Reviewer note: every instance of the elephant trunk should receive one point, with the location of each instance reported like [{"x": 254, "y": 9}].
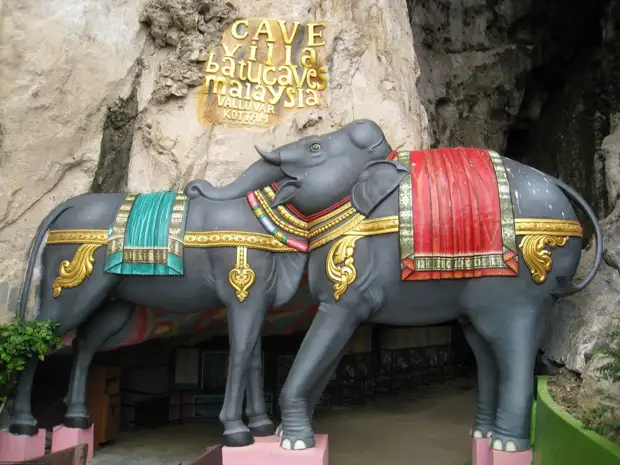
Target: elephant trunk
[{"x": 259, "y": 174}]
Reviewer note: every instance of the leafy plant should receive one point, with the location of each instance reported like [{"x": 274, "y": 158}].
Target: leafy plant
[
  {"x": 19, "y": 342},
  {"x": 611, "y": 370},
  {"x": 605, "y": 419}
]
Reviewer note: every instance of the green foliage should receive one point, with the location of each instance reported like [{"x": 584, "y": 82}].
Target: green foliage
[
  {"x": 604, "y": 419},
  {"x": 19, "y": 342},
  {"x": 611, "y": 370}
]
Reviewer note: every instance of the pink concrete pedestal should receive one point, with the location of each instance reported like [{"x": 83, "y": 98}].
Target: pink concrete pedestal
[
  {"x": 499, "y": 457},
  {"x": 267, "y": 451},
  {"x": 481, "y": 451},
  {"x": 21, "y": 448},
  {"x": 65, "y": 438}
]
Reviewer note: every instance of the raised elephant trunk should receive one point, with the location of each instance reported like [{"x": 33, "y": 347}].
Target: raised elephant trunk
[{"x": 259, "y": 174}]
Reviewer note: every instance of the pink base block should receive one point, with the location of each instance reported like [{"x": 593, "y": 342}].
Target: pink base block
[
  {"x": 480, "y": 451},
  {"x": 21, "y": 448},
  {"x": 64, "y": 437},
  {"x": 512, "y": 458},
  {"x": 267, "y": 451}
]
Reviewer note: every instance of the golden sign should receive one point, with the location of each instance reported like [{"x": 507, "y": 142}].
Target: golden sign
[{"x": 261, "y": 69}]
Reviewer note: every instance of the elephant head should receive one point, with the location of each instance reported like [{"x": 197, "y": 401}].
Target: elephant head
[
  {"x": 322, "y": 169},
  {"x": 315, "y": 172}
]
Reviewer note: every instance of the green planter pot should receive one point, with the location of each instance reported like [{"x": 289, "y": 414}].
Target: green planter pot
[{"x": 561, "y": 439}]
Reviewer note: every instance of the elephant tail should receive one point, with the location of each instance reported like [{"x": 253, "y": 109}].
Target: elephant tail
[
  {"x": 34, "y": 252},
  {"x": 564, "y": 286}
]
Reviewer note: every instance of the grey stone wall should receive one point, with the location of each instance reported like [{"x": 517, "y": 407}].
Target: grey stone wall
[{"x": 8, "y": 300}]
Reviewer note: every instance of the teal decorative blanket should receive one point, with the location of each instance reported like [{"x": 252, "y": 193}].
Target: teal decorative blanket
[{"x": 147, "y": 235}]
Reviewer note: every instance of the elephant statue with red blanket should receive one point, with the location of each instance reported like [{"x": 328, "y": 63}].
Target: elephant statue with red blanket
[{"x": 418, "y": 238}]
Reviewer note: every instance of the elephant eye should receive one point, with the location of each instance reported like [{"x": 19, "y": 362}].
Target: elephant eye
[{"x": 315, "y": 147}]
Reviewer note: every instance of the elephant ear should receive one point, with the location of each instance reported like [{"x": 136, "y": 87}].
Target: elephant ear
[{"x": 377, "y": 181}]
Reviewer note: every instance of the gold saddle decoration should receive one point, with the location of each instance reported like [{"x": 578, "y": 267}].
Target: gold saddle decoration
[
  {"x": 241, "y": 277},
  {"x": 537, "y": 234},
  {"x": 339, "y": 264},
  {"x": 340, "y": 267},
  {"x": 72, "y": 273}
]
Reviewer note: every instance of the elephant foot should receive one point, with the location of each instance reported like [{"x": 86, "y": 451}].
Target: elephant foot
[
  {"x": 240, "y": 439},
  {"x": 297, "y": 441},
  {"x": 23, "y": 428},
  {"x": 77, "y": 416},
  {"x": 79, "y": 422},
  {"x": 481, "y": 431},
  {"x": 509, "y": 444},
  {"x": 263, "y": 430}
]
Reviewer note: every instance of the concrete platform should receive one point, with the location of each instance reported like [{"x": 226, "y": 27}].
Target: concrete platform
[{"x": 428, "y": 426}]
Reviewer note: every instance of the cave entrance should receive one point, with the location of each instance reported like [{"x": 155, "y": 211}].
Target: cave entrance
[{"x": 534, "y": 80}]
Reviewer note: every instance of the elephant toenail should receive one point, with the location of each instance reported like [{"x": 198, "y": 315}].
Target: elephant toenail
[
  {"x": 286, "y": 444},
  {"x": 511, "y": 446},
  {"x": 478, "y": 434},
  {"x": 497, "y": 445},
  {"x": 299, "y": 445}
]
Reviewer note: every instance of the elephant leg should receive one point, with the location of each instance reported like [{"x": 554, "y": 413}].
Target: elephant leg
[
  {"x": 71, "y": 309},
  {"x": 244, "y": 329},
  {"x": 488, "y": 378},
  {"x": 326, "y": 338},
  {"x": 90, "y": 337},
  {"x": 514, "y": 349},
  {"x": 318, "y": 389},
  {"x": 258, "y": 421},
  {"x": 23, "y": 422}
]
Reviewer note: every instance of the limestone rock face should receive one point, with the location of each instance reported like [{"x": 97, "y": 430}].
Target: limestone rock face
[
  {"x": 372, "y": 74},
  {"x": 473, "y": 68},
  {"x": 62, "y": 63},
  {"x": 580, "y": 323},
  {"x": 103, "y": 97}
]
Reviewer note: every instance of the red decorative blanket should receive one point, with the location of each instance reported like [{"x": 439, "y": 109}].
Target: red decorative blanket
[{"x": 456, "y": 218}]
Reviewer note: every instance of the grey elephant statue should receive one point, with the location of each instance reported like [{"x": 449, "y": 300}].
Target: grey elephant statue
[
  {"x": 418, "y": 238},
  {"x": 105, "y": 254}
]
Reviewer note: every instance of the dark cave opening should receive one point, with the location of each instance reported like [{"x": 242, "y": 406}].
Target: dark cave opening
[
  {"x": 538, "y": 81},
  {"x": 561, "y": 121}
]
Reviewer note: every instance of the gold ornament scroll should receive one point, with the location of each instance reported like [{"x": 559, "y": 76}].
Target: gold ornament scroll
[
  {"x": 72, "y": 273},
  {"x": 340, "y": 261},
  {"x": 539, "y": 233}
]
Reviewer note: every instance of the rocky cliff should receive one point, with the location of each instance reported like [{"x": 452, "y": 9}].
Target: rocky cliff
[{"x": 105, "y": 97}]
